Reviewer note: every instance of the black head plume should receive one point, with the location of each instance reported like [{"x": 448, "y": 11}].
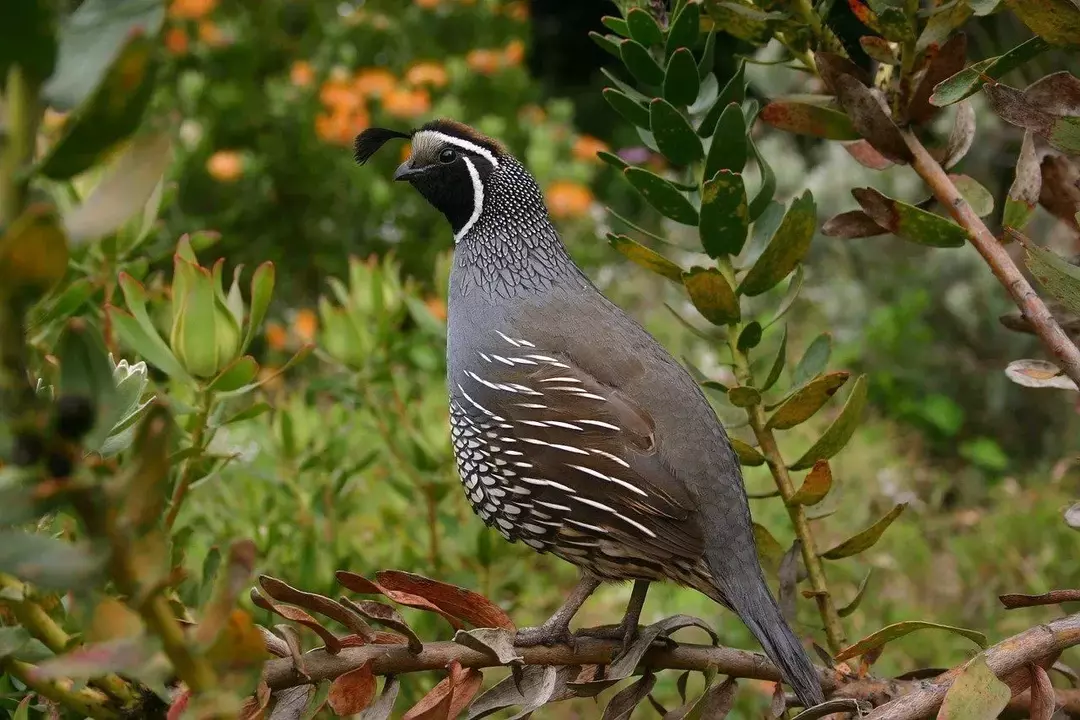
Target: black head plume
[{"x": 369, "y": 142}]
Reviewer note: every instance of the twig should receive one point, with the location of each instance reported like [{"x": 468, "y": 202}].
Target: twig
[
  {"x": 1031, "y": 305},
  {"x": 187, "y": 476},
  {"x": 86, "y": 702}
]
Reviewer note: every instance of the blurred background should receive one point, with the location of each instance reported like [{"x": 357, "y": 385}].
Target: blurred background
[{"x": 353, "y": 469}]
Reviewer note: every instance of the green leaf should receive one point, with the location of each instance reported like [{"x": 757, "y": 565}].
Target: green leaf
[
  {"x": 770, "y": 551},
  {"x": 68, "y": 302},
  {"x": 743, "y": 20},
  {"x": 612, "y": 159},
  {"x": 681, "y": 82},
  {"x": 237, "y": 374},
  {"x": 110, "y": 115},
  {"x": 1056, "y": 21},
  {"x": 750, "y": 337},
  {"x": 85, "y": 370},
  {"x": 262, "y": 289},
  {"x": 809, "y": 118},
  {"x": 708, "y": 55},
  {"x": 748, "y": 456},
  {"x": 12, "y": 639},
  {"x": 967, "y": 82},
  {"x": 724, "y": 221},
  {"x": 630, "y": 109},
  {"x": 786, "y": 249},
  {"x": 806, "y": 401},
  {"x": 684, "y": 29},
  {"x": 813, "y": 360},
  {"x": 249, "y": 413},
  {"x": 744, "y": 396},
  {"x": 778, "y": 362},
  {"x": 865, "y": 539},
  {"x": 859, "y": 595},
  {"x": 728, "y": 150},
  {"x": 646, "y": 257},
  {"x": 976, "y": 693},
  {"x": 978, "y": 197},
  {"x": 610, "y": 43},
  {"x": 734, "y": 92},
  {"x": 47, "y": 562},
  {"x": 815, "y": 487},
  {"x": 674, "y": 136},
  {"x": 711, "y": 295},
  {"x": 898, "y": 630},
  {"x": 768, "y": 184},
  {"x": 909, "y": 222},
  {"x": 616, "y": 25},
  {"x": 640, "y": 63},
  {"x": 840, "y": 431},
  {"x": 790, "y": 295},
  {"x": 662, "y": 195},
  {"x": 1060, "y": 278},
  {"x": 28, "y": 37},
  {"x": 643, "y": 27},
  {"x": 942, "y": 23}
]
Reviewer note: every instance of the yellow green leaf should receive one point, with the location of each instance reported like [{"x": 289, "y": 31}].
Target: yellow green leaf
[
  {"x": 836, "y": 436},
  {"x": 898, "y": 630},
  {"x": 865, "y": 539},
  {"x": 646, "y": 257}
]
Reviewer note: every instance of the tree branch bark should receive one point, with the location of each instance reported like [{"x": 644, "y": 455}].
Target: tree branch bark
[{"x": 1031, "y": 305}]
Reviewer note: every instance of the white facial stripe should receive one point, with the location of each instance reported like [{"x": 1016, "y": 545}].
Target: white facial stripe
[
  {"x": 463, "y": 144},
  {"x": 478, "y": 200}
]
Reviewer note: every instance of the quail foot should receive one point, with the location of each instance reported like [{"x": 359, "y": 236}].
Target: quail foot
[{"x": 574, "y": 431}]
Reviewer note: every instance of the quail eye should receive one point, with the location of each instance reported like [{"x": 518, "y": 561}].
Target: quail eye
[{"x": 447, "y": 156}]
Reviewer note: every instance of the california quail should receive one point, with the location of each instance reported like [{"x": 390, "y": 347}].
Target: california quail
[{"x": 575, "y": 432}]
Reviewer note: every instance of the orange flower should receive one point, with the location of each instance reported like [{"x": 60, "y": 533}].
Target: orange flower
[
  {"x": 586, "y": 147},
  {"x": 340, "y": 127},
  {"x": 211, "y": 34},
  {"x": 532, "y": 114},
  {"x": 426, "y": 73},
  {"x": 514, "y": 53},
  {"x": 305, "y": 325},
  {"x": 406, "y": 103},
  {"x": 225, "y": 166},
  {"x": 176, "y": 41},
  {"x": 567, "y": 199},
  {"x": 428, "y": 4},
  {"x": 485, "y": 62},
  {"x": 276, "y": 336},
  {"x": 374, "y": 82},
  {"x": 301, "y": 74},
  {"x": 436, "y": 307},
  {"x": 339, "y": 96},
  {"x": 191, "y": 9}
]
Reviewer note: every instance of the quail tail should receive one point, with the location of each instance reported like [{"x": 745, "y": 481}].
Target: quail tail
[{"x": 745, "y": 590}]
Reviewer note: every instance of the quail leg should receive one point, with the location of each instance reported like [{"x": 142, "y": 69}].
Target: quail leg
[
  {"x": 627, "y": 629},
  {"x": 556, "y": 629}
]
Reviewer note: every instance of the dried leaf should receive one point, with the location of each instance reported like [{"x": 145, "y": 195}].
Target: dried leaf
[
  {"x": 622, "y": 704},
  {"x": 898, "y": 630},
  {"x": 646, "y": 257},
  {"x": 865, "y": 539},
  {"x": 747, "y": 454},
  {"x": 777, "y": 703},
  {"x": 865, "y": 154},
  {"x": 815, "y": 119},
  {"x": 975, "y": 694},
  {"x": 962, "y": 135},
  {"x": 1060, "y": 191},
  {"x": 1017, "y": 600},
  {"x": 352, "y": 692},
  {"x": 1043, "y": 701},
  {"x": 360, "y": 584},
  {"x": 801, "y": 405},
  {"x": 125, "y": 655},
  {"x": 840, "y": 431},
  {"x": 495, "y": 641},
  {"x": 711, "y": 295},
  {"x": 910, "y": 222},
  {"x": 387, "y": 616},
  {"x": 1010, "y": 104},
  {"x": 857, "y": 708},
  {"x": 831, "y": 66},
  {"x": 290, "y": 703},
  {"x": 815, "y": 487},
  {"x": 945, "y": 63},
  {"x": 1038, "y": 374},
  {"x": 384, "y": 705},
  {"x": 1072, "y": 516},
  {"x": 859, "y": 594},
  {"x": 871, "y": 120},
  {"x": 1024, "y": 191},
  {"x": 446, "y": 700},
  {"x": 744, "y": 396},
  {"x": 1057, "y": 93},
  {"x": 536, "y": 685},
  {"x": 940, "y": 26},
  {"x": 458, "y": 602},
  {"x": 294, "y": 649},
  {"x": 295, "y": 614},
  {"x": 852, "y": 224}
]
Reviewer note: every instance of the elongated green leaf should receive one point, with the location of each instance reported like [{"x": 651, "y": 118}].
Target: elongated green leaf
[
  {"x": 898, "y": 630},
  {"x": 238, "y": 373},
  {"x": 662, "y": 195},
  {"x": 1056, "y": 21},
  {"x": 85, "y": 370},
  {"x": 770, "y": 551},
  {"x": 146, "y": 342},
  {"x": 748, "y": 456},
  {"x": 813, "y": 360},
  {"x": 646, "y": 257},
  {"x": 613, "y": 160},
  {"x": 768, "y": 184},
  {"x": 608, "y": 43},
  {"x": 859, "y": 595},
  {"x": 790, "y": 296},
  {"x": 708, "y": 55},
  {"x": 616, "y": 25},
  {"x": 750, "y": 336},
  {"x": 786, "y": 249},
  {"x": 865, "y": 539},
  {"x": 728, "y": 150},
  {"x": 684, "y": 29},
  {"x": 909, "y": 222},
  {"x": 262, "y": 289},
  {"x": 733, "y": 92},
  {"x": 640, "y": 63},
  {"x": 978, "y": 197},
  {"x": 711, "y": 295},
  {"x": 674, "y": 136},
  {"x": 681, "y": 82},
  {"x": 836, "y": 436},
  {"x": 807, "y": 118},
  {"x": 778, "y": 362},
  {"x": 806, "y": 401},
  {"x": 725, "y": 220},
  {"x": 1060, "y": 278},
  {"x": 643, "y": 27},
  {"x": 967, "y": 82},
  {"x": 630, "y": 109},
  {"x": 815, "y": 487}
]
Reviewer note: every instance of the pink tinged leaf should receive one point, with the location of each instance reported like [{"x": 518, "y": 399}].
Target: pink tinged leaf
[
  {"x": 352, "y": 692},
  {"x": 946, "y": 62},
  {"x": 1057, "y": 94},
  {"x": 1043, "y": 701},
  {"x": 865, "y": 154},
  {"x": 852, "y": 224},
  {"x": 871, "y": 120},
  {"x": 446, "y": 700},
  {"x": 458, "y": 602}
]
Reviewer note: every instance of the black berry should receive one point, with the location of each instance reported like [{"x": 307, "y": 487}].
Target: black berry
[
  {"x": 26, "y": 450},
  {"x": 74, "y": 416},
  {"x": 59, "y": 465}
]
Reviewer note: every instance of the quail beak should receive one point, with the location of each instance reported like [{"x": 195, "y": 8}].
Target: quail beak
[{"x": 406, "y": 171}]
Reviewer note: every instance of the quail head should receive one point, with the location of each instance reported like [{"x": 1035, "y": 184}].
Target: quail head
[{"x": 574, "y": 431}]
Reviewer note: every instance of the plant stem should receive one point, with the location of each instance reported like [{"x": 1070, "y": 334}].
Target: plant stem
[
  {"x": 20, "y": 100},
  {"x": 1031, "y": 305},
  {"x": 86, "y": 702},
  {"x": 187, "y": 476},
  {"x": 815, "y": 569}
]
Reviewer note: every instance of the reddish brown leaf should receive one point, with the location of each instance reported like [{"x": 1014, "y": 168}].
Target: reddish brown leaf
[
  {"x": 254, "y": 707},
  {"x": 282, "y": 591},
  {"x": 352, "y": 692},
  {"x": 870, "y": 119},
  {"x": 852, "y": 224},
  {"x": 879, "y": 49},
  {"x": 1057, "y": 94},
  {"x": 296, "y": 615},
  {"x": 360, "y": 584},
  {"x": 831, "y": 66},
  {"x": 908, "y": 221},
  {"x": 948, "y": 60},
  {"x": 1059, "y": 192},
  {"x": 446, "y": 700},
  {"x": 1012, "y": 107},
  {"x": 815, "y": 487},
  {"x": 809, "y": 117},
  {"x": 962, "y": 135},
  {"x": 1043, "y": 701},
  {"x": 388, "y": 616},
  {"x": 1016, "y": 600},
  {"x": 463, "y": 604},
  {"x": 865, "y": 154}
]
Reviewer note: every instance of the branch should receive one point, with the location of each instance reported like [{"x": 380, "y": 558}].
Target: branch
[
  {"x": 1031, "y": 305},
  {"x": 904, "y": 699},
  {"x": 87, "y": 702}
]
